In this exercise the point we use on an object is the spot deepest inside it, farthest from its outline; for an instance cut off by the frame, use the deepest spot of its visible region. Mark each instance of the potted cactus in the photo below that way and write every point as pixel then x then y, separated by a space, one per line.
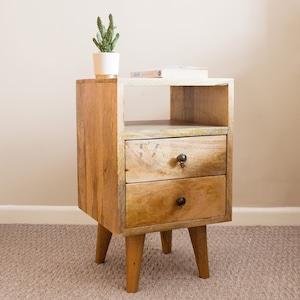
pixel 106 62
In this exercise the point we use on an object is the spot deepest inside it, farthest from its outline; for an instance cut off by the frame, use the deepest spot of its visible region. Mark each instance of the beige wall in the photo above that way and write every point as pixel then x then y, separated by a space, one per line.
pixel 46 46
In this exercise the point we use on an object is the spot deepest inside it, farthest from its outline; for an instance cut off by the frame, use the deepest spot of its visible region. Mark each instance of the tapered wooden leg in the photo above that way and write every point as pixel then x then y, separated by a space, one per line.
pixel 199 241
pixel 166 241
pixel 103 239
pixel 134 253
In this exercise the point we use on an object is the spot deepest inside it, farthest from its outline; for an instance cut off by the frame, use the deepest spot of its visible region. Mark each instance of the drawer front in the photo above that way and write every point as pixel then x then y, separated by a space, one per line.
pixel 156 159
pixel 159 202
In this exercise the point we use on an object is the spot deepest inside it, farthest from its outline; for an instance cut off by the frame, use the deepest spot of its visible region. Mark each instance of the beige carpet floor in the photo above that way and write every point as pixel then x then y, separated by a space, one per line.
pixel 57 262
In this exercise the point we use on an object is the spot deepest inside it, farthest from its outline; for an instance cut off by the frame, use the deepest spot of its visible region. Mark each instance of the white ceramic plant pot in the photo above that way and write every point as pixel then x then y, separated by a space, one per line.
pixel 106 64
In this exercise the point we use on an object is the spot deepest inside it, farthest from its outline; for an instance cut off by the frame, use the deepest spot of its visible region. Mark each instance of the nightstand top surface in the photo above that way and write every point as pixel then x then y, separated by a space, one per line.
pixel 163 81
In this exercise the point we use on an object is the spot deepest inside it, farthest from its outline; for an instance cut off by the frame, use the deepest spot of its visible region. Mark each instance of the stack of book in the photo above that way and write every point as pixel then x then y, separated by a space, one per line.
pixel 172 72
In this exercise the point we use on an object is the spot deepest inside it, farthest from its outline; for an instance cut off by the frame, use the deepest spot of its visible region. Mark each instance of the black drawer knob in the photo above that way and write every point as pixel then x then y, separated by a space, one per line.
pixel 180 201
pixel 181 158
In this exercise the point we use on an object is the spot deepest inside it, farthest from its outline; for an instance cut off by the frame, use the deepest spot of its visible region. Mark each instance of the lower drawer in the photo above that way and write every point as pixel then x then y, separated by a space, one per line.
pixel 161 202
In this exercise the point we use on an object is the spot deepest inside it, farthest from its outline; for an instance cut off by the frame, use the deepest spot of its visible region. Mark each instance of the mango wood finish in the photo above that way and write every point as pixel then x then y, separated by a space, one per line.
pixel 199 241
pixel 156 159
pixel 129 177
pixel 97 140
pixel 155 202
pixel 103 240
pixel 206 105
pixel 134 254
pixel 168 128
pixel 166 241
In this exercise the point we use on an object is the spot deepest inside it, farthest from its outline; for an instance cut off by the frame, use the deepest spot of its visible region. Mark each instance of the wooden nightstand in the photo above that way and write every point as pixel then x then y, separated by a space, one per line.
pixel 155 176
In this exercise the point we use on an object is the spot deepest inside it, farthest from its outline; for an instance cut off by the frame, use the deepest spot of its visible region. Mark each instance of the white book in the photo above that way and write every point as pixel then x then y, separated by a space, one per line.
pixel 172 72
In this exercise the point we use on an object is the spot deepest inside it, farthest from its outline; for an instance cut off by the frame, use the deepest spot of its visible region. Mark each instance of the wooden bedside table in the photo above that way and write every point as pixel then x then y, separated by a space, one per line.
pixel 155 176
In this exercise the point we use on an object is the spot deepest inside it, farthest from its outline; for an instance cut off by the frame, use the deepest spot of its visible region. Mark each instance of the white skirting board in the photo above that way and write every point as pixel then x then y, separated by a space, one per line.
pixel 242 216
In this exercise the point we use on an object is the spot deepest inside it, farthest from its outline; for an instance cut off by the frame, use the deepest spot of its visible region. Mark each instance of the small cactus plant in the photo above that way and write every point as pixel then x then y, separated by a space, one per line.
pixel 106 40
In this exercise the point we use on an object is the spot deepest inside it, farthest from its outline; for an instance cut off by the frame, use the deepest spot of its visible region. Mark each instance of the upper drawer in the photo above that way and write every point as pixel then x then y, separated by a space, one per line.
pixel 159 159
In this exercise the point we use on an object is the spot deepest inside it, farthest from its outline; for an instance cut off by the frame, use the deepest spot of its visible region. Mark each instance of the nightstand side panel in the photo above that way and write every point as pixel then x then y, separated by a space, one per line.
pixel 97 146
